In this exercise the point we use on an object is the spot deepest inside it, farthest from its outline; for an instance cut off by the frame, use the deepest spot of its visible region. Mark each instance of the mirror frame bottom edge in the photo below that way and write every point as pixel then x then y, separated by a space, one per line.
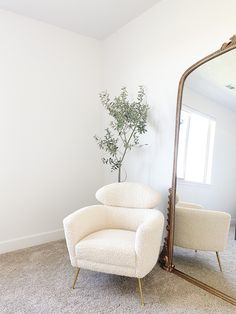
pixel 204 286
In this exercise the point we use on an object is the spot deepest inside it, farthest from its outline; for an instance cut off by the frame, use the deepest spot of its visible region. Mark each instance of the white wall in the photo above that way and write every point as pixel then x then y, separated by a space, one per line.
pixel 49 81
pixel 49 111
pixel 154 50
pixel 220 194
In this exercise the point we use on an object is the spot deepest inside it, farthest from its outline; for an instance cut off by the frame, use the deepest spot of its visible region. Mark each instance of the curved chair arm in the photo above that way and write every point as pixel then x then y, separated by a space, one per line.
pixel 80 224
pixel 189 205
pixel 148 241
pixel 201 229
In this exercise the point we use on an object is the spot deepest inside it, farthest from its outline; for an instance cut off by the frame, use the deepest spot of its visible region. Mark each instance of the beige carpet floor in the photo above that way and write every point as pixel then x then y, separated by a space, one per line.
pixel 38 280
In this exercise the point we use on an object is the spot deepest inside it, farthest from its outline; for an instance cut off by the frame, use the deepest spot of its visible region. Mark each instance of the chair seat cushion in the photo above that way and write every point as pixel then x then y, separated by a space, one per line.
pixel 108 246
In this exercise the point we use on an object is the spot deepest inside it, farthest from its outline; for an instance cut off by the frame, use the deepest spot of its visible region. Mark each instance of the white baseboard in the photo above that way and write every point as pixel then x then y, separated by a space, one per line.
pixel 32 240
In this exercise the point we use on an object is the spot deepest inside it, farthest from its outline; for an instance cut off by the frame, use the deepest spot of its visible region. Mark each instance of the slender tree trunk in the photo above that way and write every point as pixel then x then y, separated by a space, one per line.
pixel 127 145
pixel 119 174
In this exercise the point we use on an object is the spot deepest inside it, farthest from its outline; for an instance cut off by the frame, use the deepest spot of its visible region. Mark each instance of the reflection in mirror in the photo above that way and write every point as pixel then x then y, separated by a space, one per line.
pixel 205 216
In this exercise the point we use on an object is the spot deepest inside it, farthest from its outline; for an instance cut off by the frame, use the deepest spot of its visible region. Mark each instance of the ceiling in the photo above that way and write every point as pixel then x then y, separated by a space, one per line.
pixel 94 18
pixel 212 78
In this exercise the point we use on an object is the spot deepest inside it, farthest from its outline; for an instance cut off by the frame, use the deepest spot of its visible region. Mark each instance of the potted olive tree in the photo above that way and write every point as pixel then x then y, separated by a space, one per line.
pixel 128 122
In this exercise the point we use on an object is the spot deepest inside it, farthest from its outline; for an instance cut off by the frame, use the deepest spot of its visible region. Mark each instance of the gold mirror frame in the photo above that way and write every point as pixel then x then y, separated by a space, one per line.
pixel 166 257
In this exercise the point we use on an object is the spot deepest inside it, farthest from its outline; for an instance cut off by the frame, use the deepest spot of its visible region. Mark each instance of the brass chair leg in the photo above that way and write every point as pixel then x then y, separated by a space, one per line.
pixel 76 276
pixel 218 258
pixel 140 291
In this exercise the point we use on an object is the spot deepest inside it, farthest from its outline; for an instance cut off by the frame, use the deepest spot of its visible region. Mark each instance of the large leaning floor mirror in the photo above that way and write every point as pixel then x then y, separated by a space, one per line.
pixel 203 200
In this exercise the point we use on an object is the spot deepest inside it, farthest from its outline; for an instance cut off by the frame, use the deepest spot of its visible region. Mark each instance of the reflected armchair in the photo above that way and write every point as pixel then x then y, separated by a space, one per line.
pixel 201 229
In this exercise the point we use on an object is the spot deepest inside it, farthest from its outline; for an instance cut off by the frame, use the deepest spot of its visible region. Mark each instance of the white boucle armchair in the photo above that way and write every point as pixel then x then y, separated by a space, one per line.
pixel 201 229
pixel 122 236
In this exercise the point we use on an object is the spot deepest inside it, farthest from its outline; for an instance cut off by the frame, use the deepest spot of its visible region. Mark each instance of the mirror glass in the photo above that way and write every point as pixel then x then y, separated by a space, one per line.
pixel 205 218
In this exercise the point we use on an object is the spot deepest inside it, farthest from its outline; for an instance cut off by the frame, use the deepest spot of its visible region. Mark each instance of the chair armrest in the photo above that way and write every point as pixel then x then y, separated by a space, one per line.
pixel 189 205
pixel 80 224
pixel 201 229
pixel 148 241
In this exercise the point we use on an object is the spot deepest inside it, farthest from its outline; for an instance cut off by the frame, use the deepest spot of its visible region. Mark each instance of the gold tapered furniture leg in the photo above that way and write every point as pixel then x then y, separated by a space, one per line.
pixel 76 276
pixel 140 291
pixel 218 258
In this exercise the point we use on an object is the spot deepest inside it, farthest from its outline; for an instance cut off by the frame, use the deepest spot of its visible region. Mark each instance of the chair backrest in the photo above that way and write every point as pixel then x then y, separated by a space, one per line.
pixel 128 194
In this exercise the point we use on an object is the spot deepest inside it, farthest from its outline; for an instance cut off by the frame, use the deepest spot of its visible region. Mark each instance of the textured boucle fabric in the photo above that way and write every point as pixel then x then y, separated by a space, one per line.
pixel 131 247
pixel 107 268
pixel 128 194
pixel 122 236
pixel 80 224
pixel 108 246
pixel 201 229
pixel 148 242
pixel 189 205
